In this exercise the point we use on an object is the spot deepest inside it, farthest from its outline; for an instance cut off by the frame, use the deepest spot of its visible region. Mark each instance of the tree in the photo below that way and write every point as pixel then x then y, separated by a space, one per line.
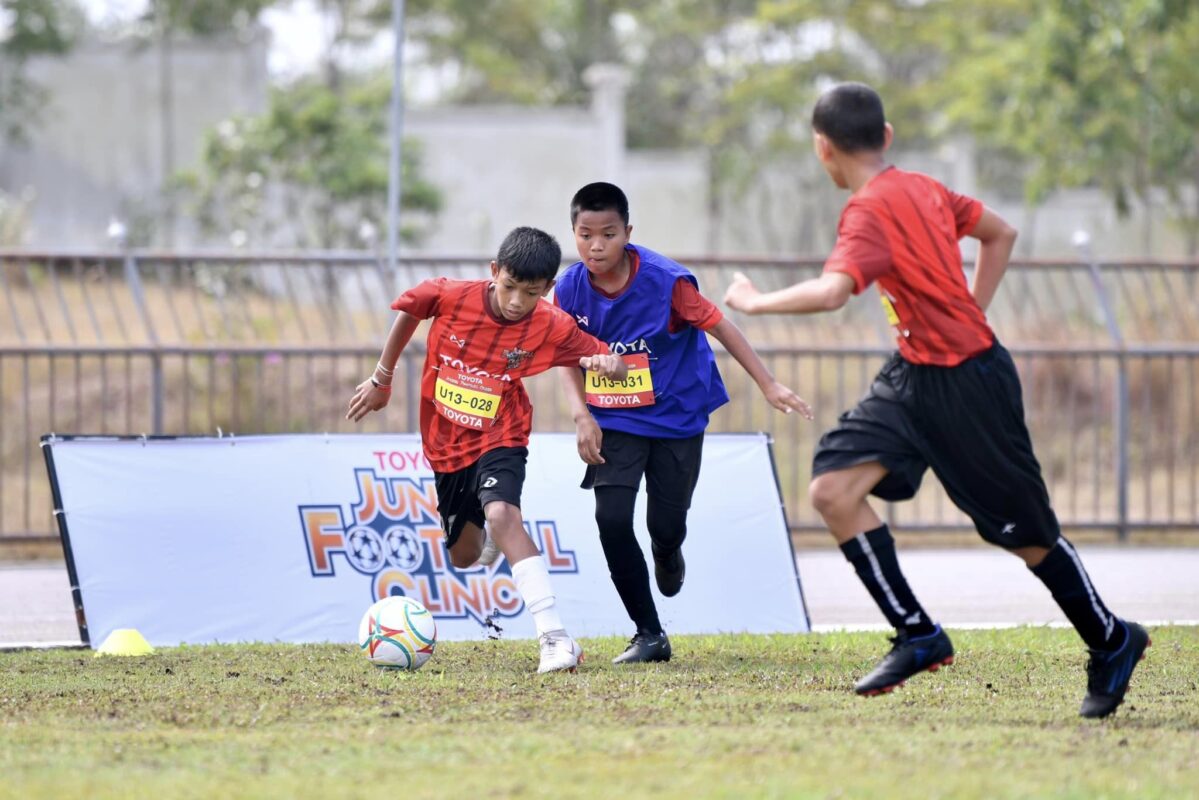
pixel 164 21
pixel 34 28
pixel 734 78
pixel 204 18
pixel 310 172
pixel 522 51
pixel 1087 92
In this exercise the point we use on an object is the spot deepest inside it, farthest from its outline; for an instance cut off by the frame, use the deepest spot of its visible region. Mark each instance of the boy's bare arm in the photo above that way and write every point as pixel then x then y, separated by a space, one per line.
pixel 375 392
pixel 828 292
pixel 996 239
pixel 588 436
pixel 778 395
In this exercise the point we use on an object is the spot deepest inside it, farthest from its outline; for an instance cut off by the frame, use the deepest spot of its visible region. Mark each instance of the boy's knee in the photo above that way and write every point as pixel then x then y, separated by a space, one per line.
pixel 667 524
pixel 614 508
pixel 502 516
pixel 826 494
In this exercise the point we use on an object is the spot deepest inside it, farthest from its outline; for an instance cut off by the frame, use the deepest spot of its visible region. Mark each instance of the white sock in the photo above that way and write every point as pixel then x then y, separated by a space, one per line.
pixel 533 583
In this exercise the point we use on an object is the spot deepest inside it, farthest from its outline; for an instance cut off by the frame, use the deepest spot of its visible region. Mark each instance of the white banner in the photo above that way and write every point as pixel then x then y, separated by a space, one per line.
pixel 291 538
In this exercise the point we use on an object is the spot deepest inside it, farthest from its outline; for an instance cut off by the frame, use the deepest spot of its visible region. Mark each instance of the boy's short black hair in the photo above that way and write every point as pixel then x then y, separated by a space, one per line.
pixel 851 116
pixel 530 254
pixel 599 197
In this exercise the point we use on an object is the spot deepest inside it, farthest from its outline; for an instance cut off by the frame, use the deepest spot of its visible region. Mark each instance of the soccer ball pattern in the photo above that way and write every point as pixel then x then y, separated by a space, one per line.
pixel 397 633
pixel 364 549
pixel 403 549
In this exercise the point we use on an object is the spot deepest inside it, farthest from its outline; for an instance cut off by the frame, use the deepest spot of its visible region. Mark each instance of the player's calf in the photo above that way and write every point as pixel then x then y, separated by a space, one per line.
pixel 669 571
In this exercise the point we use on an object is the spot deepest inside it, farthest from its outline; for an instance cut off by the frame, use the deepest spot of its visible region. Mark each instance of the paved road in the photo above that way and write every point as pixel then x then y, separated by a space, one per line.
pixel 989 588
pixel 958 587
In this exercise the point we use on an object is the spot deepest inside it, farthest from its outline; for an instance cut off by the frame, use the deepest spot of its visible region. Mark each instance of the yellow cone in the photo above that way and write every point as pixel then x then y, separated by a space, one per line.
pixel 125 642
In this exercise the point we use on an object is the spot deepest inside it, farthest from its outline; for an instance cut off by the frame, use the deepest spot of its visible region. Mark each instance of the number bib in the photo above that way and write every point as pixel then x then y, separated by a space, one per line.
pixel 635 390
pixel 892 315
pixel 889 310
pixel 468 400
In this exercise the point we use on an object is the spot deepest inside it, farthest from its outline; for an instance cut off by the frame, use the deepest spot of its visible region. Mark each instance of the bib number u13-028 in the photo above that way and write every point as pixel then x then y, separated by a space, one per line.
pixel 468 400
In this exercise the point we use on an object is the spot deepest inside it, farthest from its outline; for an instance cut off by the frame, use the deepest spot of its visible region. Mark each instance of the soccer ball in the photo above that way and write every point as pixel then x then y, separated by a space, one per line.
pixel 397 633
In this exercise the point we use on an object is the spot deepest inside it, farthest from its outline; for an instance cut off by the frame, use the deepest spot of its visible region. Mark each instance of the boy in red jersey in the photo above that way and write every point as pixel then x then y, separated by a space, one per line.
pixel 475 415
pixel 950 399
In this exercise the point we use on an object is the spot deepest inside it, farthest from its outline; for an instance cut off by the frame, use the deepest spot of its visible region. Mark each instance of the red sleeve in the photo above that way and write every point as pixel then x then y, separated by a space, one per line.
pixel 862 250
pixel 689 307
pixel 422 300
pixel 966 212
pixel 572 342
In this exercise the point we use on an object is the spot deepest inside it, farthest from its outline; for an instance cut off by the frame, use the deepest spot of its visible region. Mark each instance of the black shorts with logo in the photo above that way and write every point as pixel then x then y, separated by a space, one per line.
pixel 461 496
pixel 670 466
pixel 967 423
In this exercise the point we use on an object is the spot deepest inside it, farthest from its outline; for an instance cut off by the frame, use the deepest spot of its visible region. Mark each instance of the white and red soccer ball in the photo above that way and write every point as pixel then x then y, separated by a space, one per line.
pixel 397 633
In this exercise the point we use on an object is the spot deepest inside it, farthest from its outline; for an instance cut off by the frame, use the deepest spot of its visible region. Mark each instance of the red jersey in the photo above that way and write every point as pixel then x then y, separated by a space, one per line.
pixel 471 346
pixel 687 305
pixel 901 231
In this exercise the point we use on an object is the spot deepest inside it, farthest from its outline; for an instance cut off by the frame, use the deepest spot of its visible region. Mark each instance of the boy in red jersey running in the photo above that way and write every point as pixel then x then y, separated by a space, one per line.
pixel 475 415
pixel 950 399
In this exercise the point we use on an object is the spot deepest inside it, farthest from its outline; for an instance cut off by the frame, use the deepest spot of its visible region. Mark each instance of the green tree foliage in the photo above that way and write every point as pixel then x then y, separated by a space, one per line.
pixel 1087 92
pixel 30 28
pixel 735 78
pixel 310 172
pixel 204 17
pixel 1059 93
pixel 525 51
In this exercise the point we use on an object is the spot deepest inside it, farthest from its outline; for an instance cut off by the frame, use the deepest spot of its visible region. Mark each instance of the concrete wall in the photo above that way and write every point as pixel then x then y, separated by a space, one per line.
pixel 498 168
pixel 99 151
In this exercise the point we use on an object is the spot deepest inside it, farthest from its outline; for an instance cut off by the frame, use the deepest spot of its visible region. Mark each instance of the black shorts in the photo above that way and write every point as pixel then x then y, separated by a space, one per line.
pixel 670 466
pixel 461 496
pixel 967 423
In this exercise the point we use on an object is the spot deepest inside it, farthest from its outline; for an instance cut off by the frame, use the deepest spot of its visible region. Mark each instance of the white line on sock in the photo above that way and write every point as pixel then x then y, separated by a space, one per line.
pixel 1109 622
pixel 878 575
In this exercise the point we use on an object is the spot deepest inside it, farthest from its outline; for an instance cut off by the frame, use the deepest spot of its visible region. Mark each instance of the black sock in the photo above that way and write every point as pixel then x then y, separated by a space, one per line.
pixel 626 563
pixel 1062 572
pixel 873 557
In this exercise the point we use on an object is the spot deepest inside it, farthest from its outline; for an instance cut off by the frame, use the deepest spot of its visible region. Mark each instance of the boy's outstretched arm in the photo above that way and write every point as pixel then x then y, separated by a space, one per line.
pixel 828 292
pixel 778 395
pixel 371 397
pixel 996 239
pixel 608 365
pixel 588 436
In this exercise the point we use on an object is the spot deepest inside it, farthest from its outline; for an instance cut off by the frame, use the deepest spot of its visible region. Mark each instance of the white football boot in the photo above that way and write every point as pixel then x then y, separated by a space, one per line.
pixel 559 652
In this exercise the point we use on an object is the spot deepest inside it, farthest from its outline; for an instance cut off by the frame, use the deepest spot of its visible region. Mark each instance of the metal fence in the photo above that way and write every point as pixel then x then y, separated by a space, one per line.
pixel 140 342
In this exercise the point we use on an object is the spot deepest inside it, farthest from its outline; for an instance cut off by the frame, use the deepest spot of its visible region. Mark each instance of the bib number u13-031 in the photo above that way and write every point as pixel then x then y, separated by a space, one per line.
pixel 634 391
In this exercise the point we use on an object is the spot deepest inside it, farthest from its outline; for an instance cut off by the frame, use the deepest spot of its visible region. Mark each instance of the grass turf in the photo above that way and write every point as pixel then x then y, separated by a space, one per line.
pixel 731 716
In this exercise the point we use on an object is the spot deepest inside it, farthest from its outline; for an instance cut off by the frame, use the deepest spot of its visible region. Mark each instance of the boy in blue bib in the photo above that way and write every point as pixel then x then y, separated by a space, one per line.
pixel 648 309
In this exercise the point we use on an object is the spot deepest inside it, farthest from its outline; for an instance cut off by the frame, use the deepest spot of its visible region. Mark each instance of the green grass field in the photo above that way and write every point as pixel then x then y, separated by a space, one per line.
pixel 731 716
